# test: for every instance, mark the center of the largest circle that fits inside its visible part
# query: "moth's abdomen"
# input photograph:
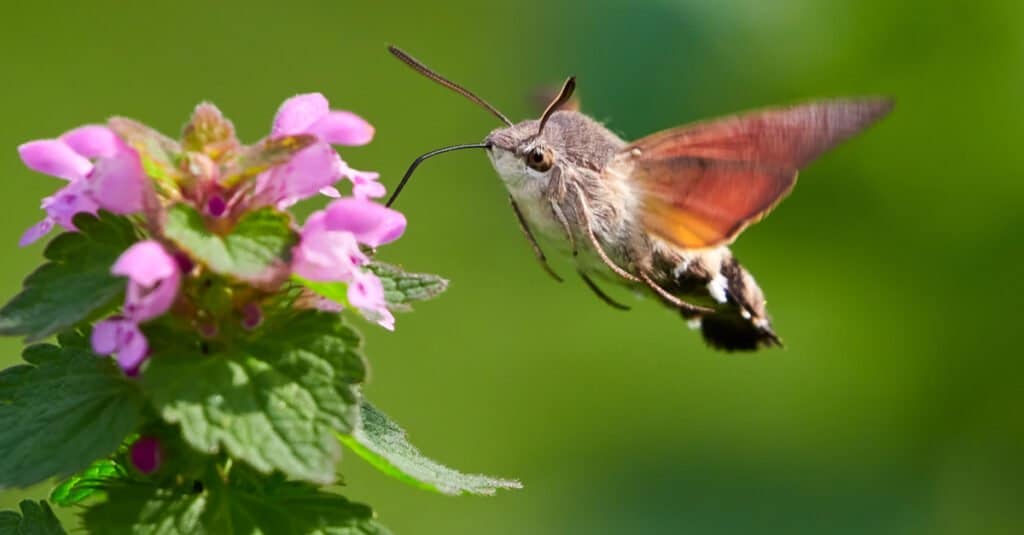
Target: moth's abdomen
(740, 321)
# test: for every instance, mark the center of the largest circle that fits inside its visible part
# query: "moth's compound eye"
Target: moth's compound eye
(539, 159)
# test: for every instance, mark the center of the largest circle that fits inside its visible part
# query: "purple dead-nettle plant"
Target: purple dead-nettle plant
(205, 375)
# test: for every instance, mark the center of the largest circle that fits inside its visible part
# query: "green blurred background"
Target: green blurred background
(893, 272)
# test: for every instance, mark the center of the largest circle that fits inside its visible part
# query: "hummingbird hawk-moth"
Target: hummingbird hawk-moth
(658, 214)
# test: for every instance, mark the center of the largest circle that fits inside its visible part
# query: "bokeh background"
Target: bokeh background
(893, 271)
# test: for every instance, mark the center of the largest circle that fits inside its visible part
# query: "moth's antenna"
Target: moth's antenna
(563, 96)
(416, 163)
(426, 71)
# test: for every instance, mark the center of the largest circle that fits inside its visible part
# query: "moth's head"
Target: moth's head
(525, 151)
(530, 149)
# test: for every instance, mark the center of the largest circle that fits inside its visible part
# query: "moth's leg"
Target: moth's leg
(671, 299)
(600, 293)
(533, 241)
(584, 215)
(560, 216)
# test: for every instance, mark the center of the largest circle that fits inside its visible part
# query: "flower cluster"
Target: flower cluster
(127, 169)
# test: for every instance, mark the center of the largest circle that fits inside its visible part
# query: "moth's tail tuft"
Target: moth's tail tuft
(727, 330)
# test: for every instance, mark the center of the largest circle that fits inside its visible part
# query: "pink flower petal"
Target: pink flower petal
(122, 337)
(342, 128)
(133, 347)
(373, 224)
(145, 263)
(366, 293)
(154, 280)
(327, 256)
(105, 336)
(330, 191)
(93, 141)
(312, 169)
(68, 202)
(364, 183)
(118, 183)
(54, 158)
(36, 231)
(297, 114)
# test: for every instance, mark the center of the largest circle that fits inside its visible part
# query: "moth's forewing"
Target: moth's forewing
(700, 185)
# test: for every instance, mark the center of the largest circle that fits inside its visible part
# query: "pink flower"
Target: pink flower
(317, 167)
(326, 255)
(121, 336)
(153, 282)
(371, 223)
(366, 293)
(115, 181)
(329, 251)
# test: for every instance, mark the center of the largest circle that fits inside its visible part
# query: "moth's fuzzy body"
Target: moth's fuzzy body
(590, 160)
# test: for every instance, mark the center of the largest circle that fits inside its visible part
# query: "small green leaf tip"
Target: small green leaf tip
(36, 518)
(385, 445)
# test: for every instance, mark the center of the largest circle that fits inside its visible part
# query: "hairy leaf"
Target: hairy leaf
(75, 281)
(36, 518)
(386, 446)
(219, 509)
(402, 288)
(260, 241)
(260, 157)
(158, 153)
(273, 400)
(59, 413)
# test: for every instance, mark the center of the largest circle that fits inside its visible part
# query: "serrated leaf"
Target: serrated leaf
(386, 446)
(75, 281)
(80, 486)
(274, 400)
(65, 409)
(259, 244)
(260, 157)
(219, 509)
(158, 153)
(36, 518)
(402, 288)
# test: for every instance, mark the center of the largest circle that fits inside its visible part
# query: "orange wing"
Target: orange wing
(701, 185)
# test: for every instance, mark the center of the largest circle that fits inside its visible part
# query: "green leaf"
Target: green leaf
(402, 288)
(268, 153)
(158, 153)
(291, 508)
(258, 245)
(273, 400)
(66, 409)
(335, 291)
(385, 445)
(80, 486)
(75, 282)
(36, 518)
